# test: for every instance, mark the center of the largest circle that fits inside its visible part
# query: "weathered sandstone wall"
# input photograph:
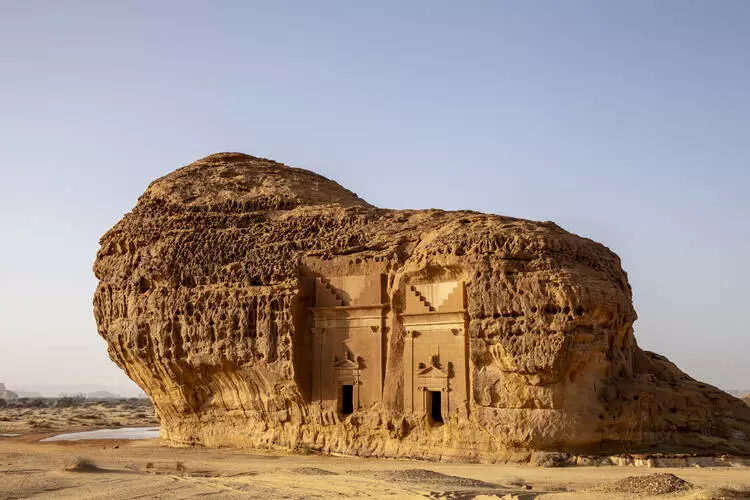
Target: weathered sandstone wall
(204, 298)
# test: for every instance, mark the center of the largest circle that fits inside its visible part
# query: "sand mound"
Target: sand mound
(653, 484)
(429, 476)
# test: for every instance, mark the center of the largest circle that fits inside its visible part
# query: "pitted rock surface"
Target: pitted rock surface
(204, 297)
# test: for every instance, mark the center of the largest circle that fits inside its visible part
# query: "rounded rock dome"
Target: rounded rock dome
(244, 180)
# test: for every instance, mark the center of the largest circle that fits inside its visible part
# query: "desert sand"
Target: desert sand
(148, 469)
(117, 469)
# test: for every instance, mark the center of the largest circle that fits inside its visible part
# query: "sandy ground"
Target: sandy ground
(148, 469)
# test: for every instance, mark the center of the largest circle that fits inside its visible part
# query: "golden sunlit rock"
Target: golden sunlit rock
(263, 305)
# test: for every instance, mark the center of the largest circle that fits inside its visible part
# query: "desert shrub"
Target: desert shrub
(66, 402)
(33, 403)
(518, 482)
(81, 464)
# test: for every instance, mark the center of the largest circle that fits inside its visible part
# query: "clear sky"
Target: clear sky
(627, 122)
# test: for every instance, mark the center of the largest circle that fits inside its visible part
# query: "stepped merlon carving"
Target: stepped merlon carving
(436, 352)
(348, 360)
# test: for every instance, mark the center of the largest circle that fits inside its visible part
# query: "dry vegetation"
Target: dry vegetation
(81, 464)
(69, 415)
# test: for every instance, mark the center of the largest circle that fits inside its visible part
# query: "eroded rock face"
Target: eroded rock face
(259, 304)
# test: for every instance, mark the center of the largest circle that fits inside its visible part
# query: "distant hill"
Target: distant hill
(102, 395)
(28, 394)
(746, 398)
(738, 393)
(88, 390)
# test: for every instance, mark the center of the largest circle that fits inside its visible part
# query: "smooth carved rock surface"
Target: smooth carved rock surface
(252, 301)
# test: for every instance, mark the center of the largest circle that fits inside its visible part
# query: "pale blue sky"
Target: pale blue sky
(627, 122)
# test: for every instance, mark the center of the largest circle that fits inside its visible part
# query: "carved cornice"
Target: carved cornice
(348, 308)
(457, 324)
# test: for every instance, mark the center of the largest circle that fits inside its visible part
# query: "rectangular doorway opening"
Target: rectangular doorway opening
(435, 405)
(347, 399)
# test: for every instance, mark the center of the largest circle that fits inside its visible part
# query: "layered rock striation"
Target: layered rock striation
(263, 305)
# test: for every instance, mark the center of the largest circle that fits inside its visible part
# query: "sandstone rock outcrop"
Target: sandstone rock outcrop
(259, 304)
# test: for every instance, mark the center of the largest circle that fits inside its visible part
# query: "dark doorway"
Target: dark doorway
(436, 407)
(347, 399)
